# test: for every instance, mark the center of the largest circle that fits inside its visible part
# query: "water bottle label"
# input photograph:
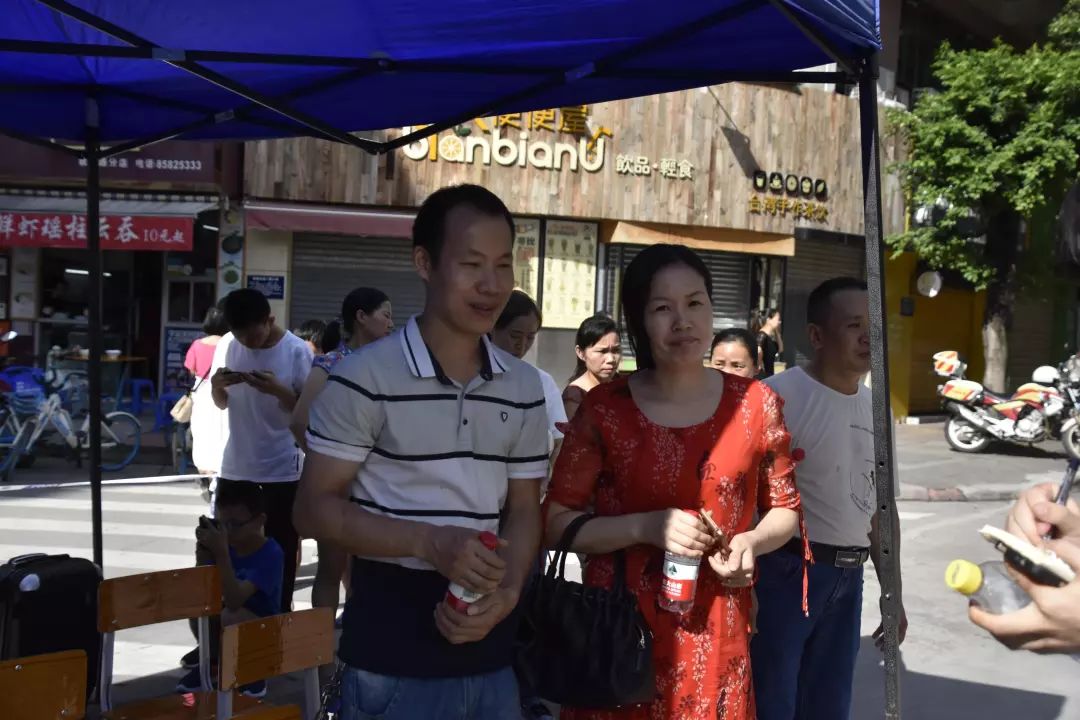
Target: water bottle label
(679, 580)
(460, 599)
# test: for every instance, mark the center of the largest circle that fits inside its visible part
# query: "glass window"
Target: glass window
(179, 309)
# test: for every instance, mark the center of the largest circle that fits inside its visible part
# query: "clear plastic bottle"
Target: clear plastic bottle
(680, 582)
(988, 584)
(458, 597)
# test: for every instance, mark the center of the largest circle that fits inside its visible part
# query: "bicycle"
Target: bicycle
(121, 436)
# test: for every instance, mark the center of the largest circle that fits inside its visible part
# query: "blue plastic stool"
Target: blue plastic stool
(139, 388)
(162, 418)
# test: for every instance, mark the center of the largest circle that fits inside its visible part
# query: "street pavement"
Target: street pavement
(951, 669)
(931, 470)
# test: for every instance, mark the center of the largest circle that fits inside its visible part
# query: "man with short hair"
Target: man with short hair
(438, 437)
(804, 665)
(258, 372)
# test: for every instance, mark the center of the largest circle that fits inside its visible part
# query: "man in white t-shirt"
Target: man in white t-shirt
(804, 666)
(258, 379)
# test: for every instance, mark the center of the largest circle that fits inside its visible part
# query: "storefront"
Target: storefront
(159, 240)
(737, 172)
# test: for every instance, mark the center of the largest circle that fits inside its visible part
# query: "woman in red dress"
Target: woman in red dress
(678, 436)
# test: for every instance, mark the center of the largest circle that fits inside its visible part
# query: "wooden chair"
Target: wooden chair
(265, 648)
(151, 598)
(44, 687)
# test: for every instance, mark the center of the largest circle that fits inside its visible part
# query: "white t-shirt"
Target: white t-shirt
(553, 403)
(835, 476)
(261, 447)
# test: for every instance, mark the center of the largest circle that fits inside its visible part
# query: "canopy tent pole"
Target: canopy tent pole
(879, 382)
(93, 256)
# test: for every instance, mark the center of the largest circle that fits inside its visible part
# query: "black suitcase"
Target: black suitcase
(49, 603)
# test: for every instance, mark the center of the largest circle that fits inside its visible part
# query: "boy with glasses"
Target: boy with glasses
(251, 567)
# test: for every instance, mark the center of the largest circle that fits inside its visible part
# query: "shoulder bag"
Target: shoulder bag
(583, 646)
(181, 409)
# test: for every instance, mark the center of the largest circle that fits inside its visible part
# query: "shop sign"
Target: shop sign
(506, 140)
(171, 162)
(117, 232)
(569, 272)
(669, 168)
(272, 286)
(527, 255)
(776, 193)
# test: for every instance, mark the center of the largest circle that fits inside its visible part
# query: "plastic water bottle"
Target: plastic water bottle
(680, 581)
(988, 584)
(458, 597)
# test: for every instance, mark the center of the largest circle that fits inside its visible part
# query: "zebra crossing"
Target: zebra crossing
(146, 528)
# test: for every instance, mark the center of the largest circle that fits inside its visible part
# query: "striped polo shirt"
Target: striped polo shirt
(435, 451)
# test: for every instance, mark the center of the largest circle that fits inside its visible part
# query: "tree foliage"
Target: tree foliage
(1002, 136)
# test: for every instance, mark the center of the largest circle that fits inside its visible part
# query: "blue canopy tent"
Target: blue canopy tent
(114, 75)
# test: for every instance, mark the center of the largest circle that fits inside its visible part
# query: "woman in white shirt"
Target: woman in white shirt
(515, 332)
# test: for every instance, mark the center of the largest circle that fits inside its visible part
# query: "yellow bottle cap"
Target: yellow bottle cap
(964, 577)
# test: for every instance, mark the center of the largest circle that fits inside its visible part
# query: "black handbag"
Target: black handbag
(584, 646)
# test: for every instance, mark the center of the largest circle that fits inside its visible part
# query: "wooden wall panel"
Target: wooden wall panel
(726, 132)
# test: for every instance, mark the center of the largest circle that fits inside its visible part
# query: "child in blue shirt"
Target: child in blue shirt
(251, 567)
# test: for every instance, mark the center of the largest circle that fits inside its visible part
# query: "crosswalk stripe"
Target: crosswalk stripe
(186, 491)
(108, 529)
(905, 515)
(10, 508)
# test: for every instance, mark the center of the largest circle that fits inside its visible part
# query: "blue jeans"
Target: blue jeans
(367, 696)
(804, 667)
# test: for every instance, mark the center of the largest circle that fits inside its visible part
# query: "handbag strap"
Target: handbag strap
(201, 380)
(563, 549)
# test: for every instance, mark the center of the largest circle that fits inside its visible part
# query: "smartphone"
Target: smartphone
(1042, 566)
(208, 524)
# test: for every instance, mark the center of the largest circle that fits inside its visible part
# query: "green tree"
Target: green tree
(996, 147)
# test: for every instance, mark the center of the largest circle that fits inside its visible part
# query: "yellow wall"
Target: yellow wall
(900, 329)
(268, 252)
(950, 321)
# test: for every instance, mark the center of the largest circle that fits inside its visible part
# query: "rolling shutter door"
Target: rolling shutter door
(730, 286)
(815, 261)
(326, 267)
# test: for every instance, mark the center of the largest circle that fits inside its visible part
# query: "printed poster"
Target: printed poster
(527, 255)
(569, 272)
(24, 282)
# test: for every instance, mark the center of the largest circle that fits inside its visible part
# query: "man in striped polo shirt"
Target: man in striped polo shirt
(437, 436)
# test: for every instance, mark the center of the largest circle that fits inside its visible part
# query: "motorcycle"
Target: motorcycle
(1044, 408)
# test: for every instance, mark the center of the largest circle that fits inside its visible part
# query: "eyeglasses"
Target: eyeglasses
(234, 524)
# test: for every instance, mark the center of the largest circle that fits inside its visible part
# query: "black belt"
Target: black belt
(841, 557)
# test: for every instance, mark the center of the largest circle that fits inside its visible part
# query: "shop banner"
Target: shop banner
(178, 163)
(117, 232)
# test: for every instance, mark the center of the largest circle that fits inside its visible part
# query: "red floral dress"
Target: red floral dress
(617, 461)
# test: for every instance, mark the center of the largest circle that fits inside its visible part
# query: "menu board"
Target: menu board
(527, 255)
(177, 340)
(569, 272)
